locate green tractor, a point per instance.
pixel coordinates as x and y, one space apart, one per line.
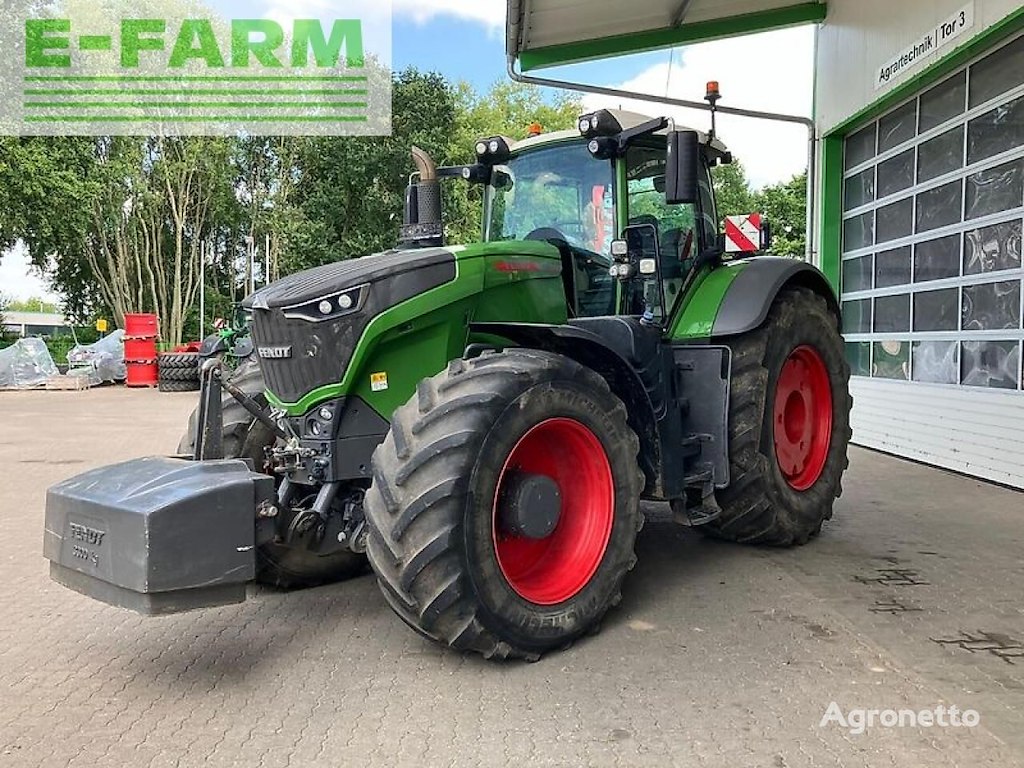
479 423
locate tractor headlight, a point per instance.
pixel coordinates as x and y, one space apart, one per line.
603 148
493 151
328 307
600 123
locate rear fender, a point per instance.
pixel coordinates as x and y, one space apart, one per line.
751 294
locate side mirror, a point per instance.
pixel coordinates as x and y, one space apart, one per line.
682 163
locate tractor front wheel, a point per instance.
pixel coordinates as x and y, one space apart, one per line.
505 504
789 425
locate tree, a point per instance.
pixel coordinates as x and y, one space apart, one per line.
785 206
31 304
507 109
352 188
122 218
732 190
4 307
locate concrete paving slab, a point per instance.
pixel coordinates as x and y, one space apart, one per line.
719 655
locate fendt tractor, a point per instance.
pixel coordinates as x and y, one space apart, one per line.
479 423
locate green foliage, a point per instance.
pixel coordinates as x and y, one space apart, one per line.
351 191
732 190
32 304
4 306
508 109
349 200
785 206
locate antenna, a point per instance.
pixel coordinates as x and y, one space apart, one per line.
711 97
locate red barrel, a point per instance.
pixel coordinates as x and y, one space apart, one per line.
140 334
142 373
136 348
141 326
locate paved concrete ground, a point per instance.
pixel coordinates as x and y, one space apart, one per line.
718 656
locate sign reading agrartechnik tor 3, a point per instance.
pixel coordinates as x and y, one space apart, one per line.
158 68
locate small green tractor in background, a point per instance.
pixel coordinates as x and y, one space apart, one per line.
479 423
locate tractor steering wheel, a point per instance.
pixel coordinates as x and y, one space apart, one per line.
549 235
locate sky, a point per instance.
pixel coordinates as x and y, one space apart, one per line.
464 40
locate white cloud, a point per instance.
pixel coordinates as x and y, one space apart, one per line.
489 13
772 72
19 280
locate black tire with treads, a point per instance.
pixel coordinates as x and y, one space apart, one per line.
430 507
174 385
760 506
179 360
179 374
245 438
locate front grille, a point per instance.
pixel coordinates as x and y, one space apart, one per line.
320 351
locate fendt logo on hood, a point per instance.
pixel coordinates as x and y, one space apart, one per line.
275 353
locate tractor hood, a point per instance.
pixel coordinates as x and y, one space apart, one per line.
306 326
319 283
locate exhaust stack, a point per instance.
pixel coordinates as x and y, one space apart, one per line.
422 226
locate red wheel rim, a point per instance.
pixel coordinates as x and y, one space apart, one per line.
554 569
803 418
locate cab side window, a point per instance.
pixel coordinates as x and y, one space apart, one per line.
676 224
708 209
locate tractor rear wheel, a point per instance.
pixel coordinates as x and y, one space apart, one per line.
789 425
245 438
505 504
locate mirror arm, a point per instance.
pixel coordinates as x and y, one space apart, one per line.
651 126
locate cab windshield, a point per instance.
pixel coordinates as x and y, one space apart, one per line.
556 193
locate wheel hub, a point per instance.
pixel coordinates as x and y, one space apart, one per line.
530 506
553 511
803 418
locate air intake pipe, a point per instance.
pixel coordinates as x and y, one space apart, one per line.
422 225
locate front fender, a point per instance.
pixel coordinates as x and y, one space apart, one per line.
590 350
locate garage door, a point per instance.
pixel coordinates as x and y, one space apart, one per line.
932 227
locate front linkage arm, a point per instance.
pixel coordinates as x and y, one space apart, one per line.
315 527
209 440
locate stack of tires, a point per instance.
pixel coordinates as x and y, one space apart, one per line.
178 372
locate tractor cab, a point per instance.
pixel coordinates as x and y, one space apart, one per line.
627 200
600 195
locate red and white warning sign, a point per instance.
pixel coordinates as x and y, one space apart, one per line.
743 233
